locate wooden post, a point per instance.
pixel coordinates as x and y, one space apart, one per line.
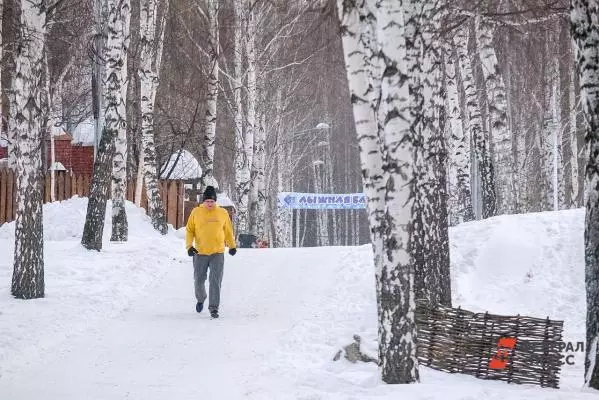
47 192
61 178
80 185
86 184
67 185
3 198
181 205
10 197
172 203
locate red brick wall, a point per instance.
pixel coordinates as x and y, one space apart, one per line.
62 151
82 159
3 152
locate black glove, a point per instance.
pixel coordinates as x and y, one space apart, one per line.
192 251
232 251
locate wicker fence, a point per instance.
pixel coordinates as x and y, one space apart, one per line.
68 185
513 349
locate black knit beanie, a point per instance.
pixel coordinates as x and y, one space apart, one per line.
209 193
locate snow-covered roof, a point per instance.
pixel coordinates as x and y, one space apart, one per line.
223 200
186 167
322 125
84 133
57 167
3 142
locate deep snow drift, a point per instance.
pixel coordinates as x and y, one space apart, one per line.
121 323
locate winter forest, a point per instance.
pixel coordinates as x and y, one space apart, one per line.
441 112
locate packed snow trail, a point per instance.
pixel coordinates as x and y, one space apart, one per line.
160 347
121 324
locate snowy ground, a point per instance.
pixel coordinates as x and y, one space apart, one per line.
121 324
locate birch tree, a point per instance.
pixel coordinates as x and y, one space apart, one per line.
152 40
584 17
497 103
459 165
430 243
483 168
116 117
26 98
384 129
212 89
117 21
242 144
574 194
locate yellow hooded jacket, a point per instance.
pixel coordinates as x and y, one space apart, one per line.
209 230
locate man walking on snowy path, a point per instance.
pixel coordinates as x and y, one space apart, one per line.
208 230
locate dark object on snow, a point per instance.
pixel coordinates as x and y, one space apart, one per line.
214 313
199 306
246 240
192 251
514 349
354 354
209 193
232 251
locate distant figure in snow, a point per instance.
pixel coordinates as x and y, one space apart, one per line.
208 230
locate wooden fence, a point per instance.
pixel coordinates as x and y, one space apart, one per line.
513 349
68 185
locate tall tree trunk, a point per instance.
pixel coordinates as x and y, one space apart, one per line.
459 145
114 95
211 98
573 134
483 170
151 39
283 216
242 161
27 86
259 181
503 165
98 71
430 244
117 87
379 90
584 15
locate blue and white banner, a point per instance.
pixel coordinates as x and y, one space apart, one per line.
319 201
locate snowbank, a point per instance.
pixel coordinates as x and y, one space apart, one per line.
81 286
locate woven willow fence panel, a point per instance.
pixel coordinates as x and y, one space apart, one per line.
513 349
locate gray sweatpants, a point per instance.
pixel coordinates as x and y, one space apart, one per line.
201 264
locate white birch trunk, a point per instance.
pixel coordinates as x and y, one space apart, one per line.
585 31
459 147
397 337
573 134
27 87
259 179
98 71
212 89
119 15
373 43
430 243
483 174
499 128
242 162
250 132
151 40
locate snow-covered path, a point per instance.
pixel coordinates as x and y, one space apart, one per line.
121 324
160 347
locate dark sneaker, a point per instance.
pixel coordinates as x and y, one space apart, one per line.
214 314
199 307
